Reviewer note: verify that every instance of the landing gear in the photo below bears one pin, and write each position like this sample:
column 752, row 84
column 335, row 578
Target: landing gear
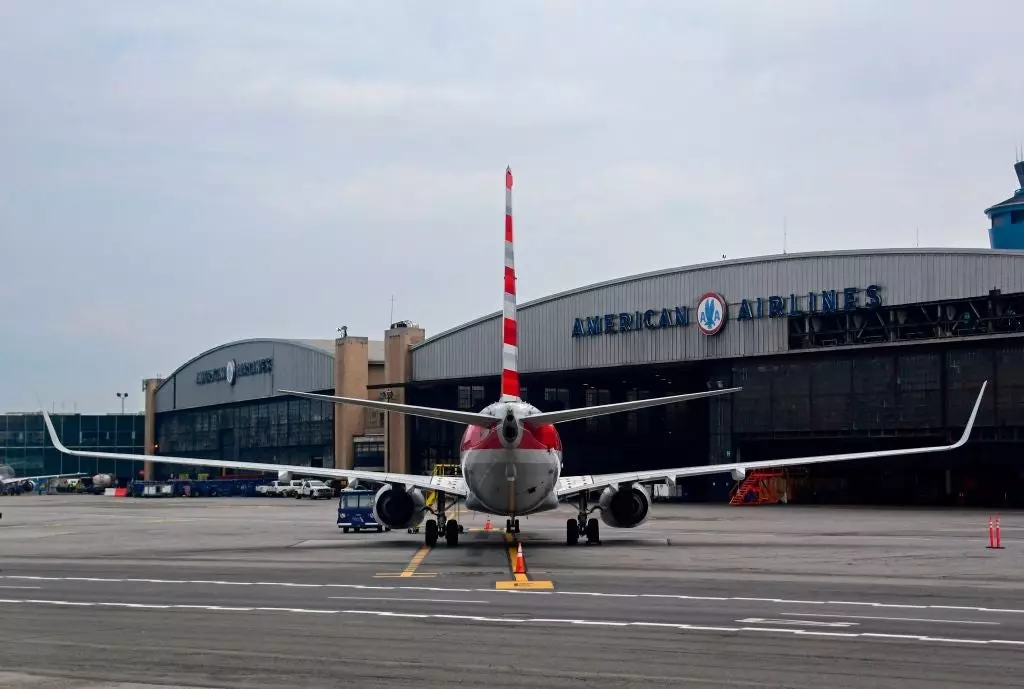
column 581, row 526
column 511, row 526
column 451, row 532
column 442, row 526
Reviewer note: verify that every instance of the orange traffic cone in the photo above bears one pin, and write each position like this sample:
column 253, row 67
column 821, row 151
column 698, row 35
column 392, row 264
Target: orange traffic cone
column 487, row 526
column 520, row 567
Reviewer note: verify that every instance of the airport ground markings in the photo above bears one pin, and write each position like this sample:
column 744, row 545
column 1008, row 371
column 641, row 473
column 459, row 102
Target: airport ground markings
column 521, row 621
column 412, row 600
column 520, row 580
column 416, row 561
column 889, row 619
column 596, row 594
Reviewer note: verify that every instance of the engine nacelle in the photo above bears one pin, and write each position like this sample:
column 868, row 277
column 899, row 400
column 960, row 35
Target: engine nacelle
column 398, row 508
column 28, row 486
column 284, row 476
column 626, row 507
column 739, row 473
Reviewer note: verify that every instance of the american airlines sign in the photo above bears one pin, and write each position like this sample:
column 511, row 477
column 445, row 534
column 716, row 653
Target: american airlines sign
column 230, row 371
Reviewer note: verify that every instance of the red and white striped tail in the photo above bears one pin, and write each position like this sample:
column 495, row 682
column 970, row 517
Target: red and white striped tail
column 510, row 338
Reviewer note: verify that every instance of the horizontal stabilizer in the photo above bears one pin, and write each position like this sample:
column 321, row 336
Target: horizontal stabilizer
column 589, row 412
column 452, row 415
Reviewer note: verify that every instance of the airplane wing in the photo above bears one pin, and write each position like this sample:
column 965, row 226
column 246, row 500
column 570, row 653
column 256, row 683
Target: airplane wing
column 452, row 415
column 616, row 407
column 17, row 479
column 572, row 485
column 452, row 485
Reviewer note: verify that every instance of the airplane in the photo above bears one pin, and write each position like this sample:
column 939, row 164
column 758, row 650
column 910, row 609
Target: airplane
column 511, row 454
column 10, row 483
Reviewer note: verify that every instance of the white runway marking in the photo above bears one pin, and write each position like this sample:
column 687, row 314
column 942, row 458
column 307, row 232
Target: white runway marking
column 892, row 619
column 21, row 587
column 369, row 587
column 804, row 623
column 505, row 620
column 414, row 600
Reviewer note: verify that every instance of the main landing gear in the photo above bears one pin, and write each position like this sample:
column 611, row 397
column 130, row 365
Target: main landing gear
column 511, row 526
column 449, row 528
column 582, row 526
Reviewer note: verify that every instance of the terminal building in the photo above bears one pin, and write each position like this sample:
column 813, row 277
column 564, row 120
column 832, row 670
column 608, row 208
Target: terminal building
column 835, row 351
column 27, row 450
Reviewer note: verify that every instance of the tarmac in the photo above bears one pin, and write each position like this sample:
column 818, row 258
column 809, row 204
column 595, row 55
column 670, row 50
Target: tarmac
column 251, row 592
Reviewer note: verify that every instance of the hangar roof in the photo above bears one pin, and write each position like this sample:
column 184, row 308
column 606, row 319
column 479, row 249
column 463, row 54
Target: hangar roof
column 548, row 326
column 717, row 264
column 264, row 366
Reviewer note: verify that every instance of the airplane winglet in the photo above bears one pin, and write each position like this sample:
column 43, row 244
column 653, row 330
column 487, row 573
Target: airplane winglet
column 974, row 415
column 53, row 435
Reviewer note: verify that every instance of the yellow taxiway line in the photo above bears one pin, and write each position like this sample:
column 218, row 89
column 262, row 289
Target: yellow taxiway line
column 416, row 561
column 520, row 582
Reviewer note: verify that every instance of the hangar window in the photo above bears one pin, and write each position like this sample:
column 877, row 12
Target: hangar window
column 471, row 397
column 594, row 397
column 556, row 399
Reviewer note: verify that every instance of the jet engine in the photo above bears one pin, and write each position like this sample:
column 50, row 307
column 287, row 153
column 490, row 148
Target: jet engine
column 28, row 486
column 626, row 507
column 399, row 508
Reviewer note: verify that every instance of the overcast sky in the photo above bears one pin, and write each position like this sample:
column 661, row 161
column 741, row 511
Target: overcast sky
column 176, row 175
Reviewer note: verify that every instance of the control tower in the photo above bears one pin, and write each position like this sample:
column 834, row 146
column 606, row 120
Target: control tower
column 1007, row 231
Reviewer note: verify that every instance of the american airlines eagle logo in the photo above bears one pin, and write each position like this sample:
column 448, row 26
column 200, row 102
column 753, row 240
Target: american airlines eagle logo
column 711, row 313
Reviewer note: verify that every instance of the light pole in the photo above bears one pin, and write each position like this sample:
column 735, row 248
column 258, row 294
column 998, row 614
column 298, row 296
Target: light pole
column 122, row 396
column 387, row 395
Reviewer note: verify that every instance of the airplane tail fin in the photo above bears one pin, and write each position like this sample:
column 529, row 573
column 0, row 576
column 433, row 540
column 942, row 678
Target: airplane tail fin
column 510, row 336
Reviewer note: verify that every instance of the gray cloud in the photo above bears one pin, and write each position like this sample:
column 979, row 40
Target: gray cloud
column 180, row 174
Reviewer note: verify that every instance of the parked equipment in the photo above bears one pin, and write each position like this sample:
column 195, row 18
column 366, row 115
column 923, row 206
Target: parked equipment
column 355, row 511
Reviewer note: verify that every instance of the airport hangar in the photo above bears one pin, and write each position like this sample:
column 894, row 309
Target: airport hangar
column 836, row 352
column 898, row 366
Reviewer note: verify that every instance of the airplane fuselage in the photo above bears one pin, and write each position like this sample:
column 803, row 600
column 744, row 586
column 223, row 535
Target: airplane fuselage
column 511, row 469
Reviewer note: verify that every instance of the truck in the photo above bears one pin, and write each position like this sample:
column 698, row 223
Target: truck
column 355, row 511
column 314, row 489
column 279, row 489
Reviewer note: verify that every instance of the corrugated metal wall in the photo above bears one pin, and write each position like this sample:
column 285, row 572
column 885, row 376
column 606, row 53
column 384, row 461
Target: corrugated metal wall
column 295, row 367
column 545, row 326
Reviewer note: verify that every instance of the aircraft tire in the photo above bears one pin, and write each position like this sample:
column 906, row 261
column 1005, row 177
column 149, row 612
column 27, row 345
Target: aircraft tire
column 430, row 535
column 593, row 532
column 572, row 532
column 451, row 532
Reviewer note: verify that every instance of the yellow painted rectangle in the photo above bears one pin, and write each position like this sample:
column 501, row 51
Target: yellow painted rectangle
column 524, row 585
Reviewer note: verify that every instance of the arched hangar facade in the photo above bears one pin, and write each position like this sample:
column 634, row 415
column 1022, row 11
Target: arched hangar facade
column 224, row 404
column 835, row 351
